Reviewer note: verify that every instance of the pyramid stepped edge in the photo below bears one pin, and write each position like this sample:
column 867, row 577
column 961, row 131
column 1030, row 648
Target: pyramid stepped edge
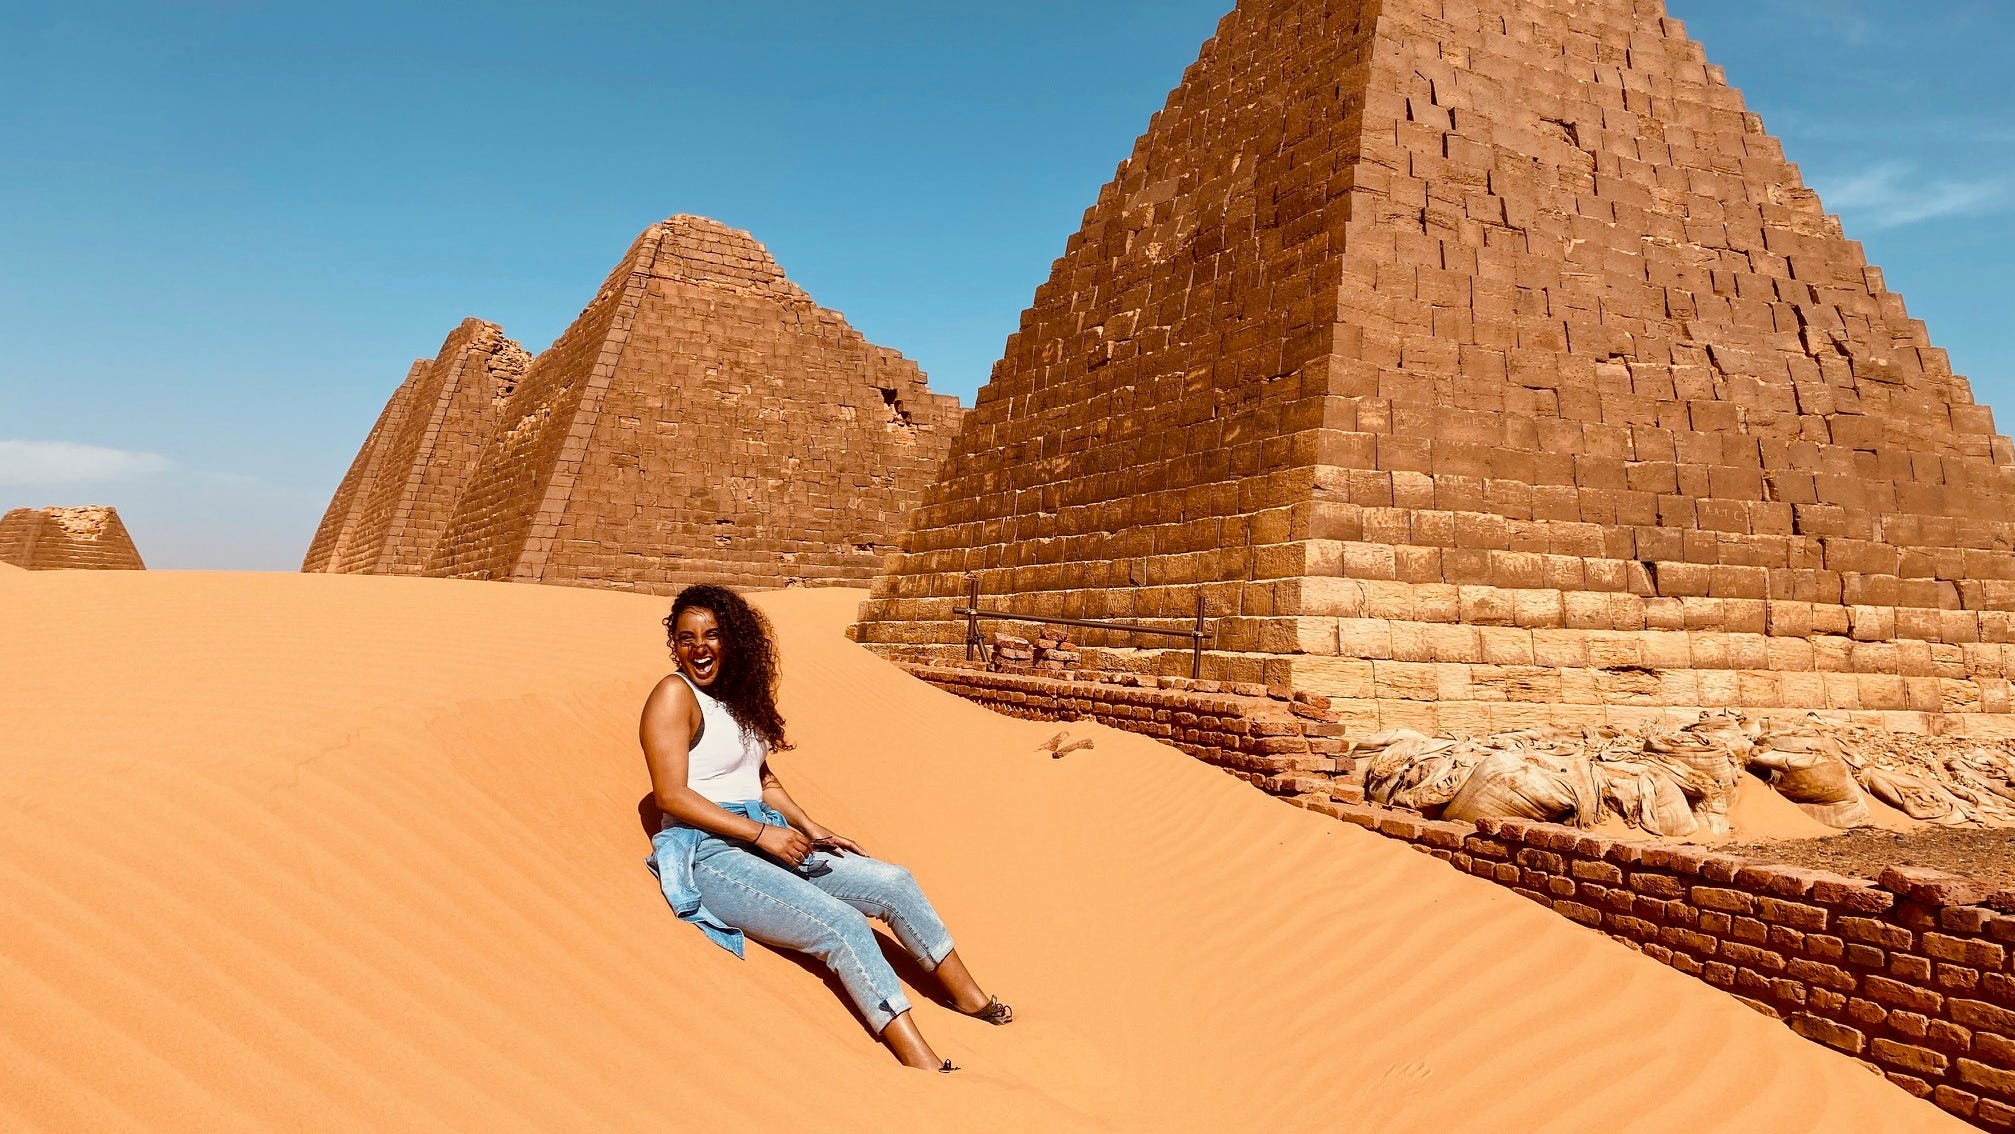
column 702, row 419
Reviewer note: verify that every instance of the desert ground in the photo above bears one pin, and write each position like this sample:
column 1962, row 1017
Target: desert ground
column 314, row 852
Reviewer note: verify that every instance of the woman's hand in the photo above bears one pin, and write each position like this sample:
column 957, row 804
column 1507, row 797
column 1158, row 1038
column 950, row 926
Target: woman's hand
column 785, row 843
column 826, row 839
column 832, row 842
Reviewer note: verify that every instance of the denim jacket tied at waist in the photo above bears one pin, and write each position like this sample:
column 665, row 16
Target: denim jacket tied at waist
column 672, row 853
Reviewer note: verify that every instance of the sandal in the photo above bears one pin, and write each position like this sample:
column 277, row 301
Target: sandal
column 994, row 1013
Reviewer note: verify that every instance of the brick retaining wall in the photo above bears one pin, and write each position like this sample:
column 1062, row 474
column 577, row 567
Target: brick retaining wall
column 1268, row 738
column 1911, row 974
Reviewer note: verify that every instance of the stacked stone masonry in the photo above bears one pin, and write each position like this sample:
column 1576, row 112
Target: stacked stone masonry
column 1910, row 974
column 90, row 538
column 702, row 419
column 1473, row 360
column 393, row 506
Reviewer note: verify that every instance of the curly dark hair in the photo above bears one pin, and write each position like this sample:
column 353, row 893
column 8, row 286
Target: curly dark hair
column 747, row 684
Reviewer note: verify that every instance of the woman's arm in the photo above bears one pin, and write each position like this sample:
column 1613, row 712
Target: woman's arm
column 779, row 799
column 666, row 731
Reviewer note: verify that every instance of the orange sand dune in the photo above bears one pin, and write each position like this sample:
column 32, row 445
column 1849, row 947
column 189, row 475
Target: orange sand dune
column 299, row 852
column 1758, row 812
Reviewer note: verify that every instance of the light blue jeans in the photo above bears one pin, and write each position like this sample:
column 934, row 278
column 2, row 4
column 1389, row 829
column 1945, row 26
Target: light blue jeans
column 826, row 916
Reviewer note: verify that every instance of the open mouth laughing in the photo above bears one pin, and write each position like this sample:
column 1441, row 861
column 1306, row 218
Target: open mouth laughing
column 704, row 664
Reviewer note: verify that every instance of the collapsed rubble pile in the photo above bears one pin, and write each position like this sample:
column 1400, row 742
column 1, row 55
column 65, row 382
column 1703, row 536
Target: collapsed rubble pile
column 1677, row 781
column 1013, row 653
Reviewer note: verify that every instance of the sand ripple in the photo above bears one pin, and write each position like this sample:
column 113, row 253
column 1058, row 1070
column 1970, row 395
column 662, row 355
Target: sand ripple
column 345, row 853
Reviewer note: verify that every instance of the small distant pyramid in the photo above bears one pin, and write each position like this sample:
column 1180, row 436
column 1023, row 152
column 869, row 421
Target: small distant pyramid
column 1481, row 366
column 393, row 506
column 90, row 538
column 702, row 419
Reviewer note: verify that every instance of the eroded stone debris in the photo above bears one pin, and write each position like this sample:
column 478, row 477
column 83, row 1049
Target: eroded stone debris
column 1676, row 781
column 51, row 539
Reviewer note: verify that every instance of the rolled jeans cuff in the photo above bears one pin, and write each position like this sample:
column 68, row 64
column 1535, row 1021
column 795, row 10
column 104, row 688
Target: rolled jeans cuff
column 938, row 952
column 881, row 1015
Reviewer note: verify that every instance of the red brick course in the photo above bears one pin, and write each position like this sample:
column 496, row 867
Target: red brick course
column 1912, row 974
column 1905, row 973
column 1277, row 744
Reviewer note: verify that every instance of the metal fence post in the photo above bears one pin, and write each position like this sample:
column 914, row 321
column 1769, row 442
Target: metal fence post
column 1196, row 641
column 972, row 616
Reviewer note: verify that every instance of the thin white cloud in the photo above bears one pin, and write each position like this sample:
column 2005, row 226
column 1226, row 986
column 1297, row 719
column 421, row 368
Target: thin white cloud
column 66, row 462
column 1892, row 195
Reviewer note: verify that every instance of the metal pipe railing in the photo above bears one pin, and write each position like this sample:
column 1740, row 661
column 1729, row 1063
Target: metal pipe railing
column 972, row 613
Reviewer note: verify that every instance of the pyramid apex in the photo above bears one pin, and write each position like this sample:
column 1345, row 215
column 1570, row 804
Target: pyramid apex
column 82, row 512
column 696, row 222
column 702, row 250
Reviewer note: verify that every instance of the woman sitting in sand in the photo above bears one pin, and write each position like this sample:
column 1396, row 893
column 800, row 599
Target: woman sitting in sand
column 738, row 856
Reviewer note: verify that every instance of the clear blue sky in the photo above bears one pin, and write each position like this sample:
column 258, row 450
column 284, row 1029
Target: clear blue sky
column 227, row 228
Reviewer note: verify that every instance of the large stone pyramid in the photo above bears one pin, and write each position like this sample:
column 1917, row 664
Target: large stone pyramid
column 702, row 419
column 1483, row 365
column 52, row 539
column 393, row 506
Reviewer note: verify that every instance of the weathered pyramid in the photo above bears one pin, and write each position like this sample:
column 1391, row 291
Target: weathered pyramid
column 703, row 419
column 391, row 510
column 50, row 539
column 1483, row 364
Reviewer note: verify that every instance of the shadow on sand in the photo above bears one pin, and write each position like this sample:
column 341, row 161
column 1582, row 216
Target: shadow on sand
column 919, row 981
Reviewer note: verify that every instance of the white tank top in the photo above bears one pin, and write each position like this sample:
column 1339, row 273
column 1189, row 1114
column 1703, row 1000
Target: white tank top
column 726, row 766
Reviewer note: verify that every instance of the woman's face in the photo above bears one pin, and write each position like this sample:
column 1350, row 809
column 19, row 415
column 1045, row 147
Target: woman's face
column 700, row 645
